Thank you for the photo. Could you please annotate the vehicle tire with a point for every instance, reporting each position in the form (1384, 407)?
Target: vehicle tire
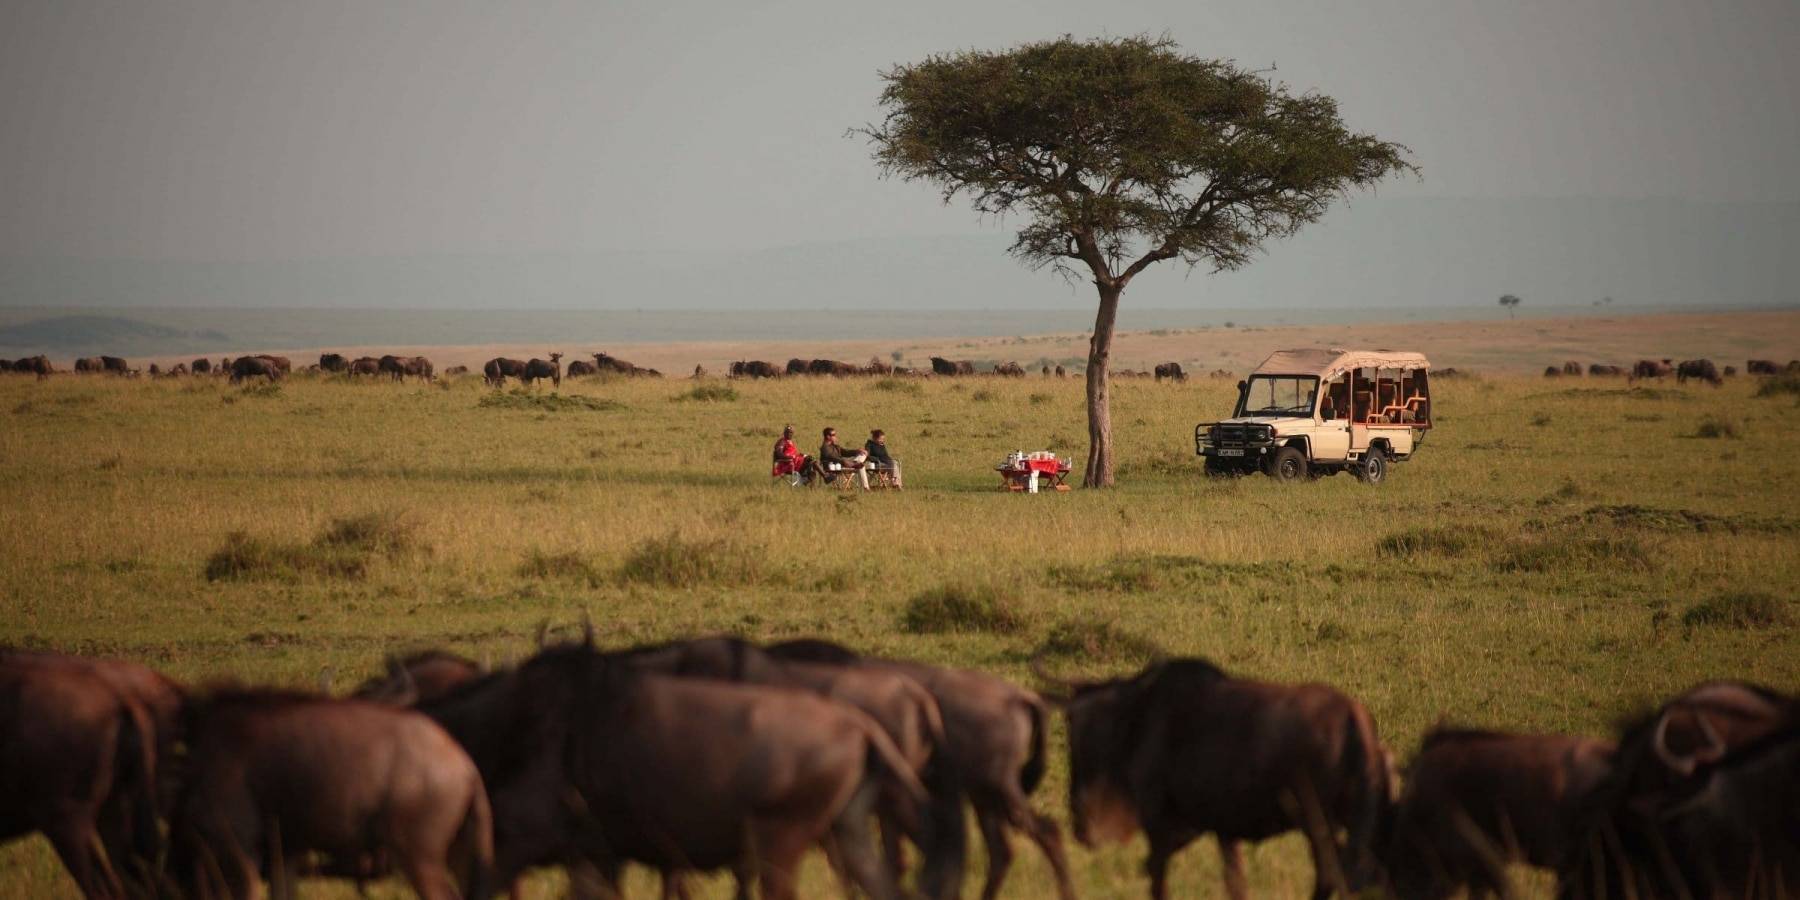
(1373, 468)
(1288, 464)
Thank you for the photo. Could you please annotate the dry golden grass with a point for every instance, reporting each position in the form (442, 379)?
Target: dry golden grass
(1516, 575)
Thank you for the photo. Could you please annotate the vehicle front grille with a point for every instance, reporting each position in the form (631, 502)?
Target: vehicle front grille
(1239, 434)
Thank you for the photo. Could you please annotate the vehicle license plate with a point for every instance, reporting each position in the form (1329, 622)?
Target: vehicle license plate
(1225, 452)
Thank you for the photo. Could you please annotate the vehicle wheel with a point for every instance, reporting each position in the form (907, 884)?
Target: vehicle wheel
(1288, 464)
(1373, 469)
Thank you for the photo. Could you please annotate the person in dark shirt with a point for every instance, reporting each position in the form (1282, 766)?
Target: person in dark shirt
(830, 454)
(877, 450)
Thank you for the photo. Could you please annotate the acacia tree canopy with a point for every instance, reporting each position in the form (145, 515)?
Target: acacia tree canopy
(1120, 153)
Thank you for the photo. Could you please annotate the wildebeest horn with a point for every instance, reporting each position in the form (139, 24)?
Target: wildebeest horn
(1684, 765)
(1715, 745)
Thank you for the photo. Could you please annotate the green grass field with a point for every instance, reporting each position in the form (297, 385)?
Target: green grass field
(1560, 552)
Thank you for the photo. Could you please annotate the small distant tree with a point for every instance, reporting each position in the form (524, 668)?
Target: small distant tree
(1509, 302)
(1121, 153)
(896, 356)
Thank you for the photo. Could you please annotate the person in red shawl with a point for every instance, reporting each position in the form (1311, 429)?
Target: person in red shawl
(789, 459)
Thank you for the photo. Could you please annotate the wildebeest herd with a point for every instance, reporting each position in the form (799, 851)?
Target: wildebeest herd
(1697, 369)
(716, 754)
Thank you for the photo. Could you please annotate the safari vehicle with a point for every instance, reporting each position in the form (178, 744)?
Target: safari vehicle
(1307, 413)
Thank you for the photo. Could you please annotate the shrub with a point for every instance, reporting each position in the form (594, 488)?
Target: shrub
(377, 532)
(954, 609)
(1439, 540)
(1711, 427)
(1740, 610)
(710, 393)
(673, 561)
(1098, 641)
(567, 565)
(343, 549)
(1551, 552)
(900, 386)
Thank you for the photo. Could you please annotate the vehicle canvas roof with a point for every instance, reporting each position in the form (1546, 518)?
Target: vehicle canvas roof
(1323, 363)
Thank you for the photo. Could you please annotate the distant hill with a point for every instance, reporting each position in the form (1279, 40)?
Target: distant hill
(88, 334)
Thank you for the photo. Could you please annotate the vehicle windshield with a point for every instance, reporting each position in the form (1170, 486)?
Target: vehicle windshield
(1279, 395)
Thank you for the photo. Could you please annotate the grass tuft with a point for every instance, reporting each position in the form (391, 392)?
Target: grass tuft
(674, 561)
(1775, 386)
(1713, 427)
(960, 609)
(1435, 540)
(377, 532)
(709, 393)
(522, 398)
(900, 386)
(565, 566)
(1744, 610)
(343, 549)
(1558, 552)
(1100, 640)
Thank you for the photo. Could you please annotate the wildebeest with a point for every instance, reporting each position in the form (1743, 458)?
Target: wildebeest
(1651, 368)
(619, 366)
(457, 370)
(995, 734)
(1552, 372)
(155, 370)
(333, 362)
(797, 366)
(1571, 368)
(89, 365)
(177, 369)
(1761, 367)
(253, 367)
(400, 367)
(1060, 373)
(365, 365)
(942, 366)
(1045, 372)
(877, 367)
(201, 366)
(1181, 749)
(1600, 369)
(1703, 369)
(1690, 806)
(537, 370)
(1730, 371)
(420, 677)
(592, 763)
(1010, 370)
(498, 369)
(76, 765)
(280, 362)
(754, 368)
(1170, 370)
(581, 368)
(830, 367)
(272, 775)
(1477, 800)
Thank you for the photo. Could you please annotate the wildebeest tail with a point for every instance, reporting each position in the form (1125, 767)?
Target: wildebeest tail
(889, 765)
(1032, 773)
(1364, 767)
(474, 847)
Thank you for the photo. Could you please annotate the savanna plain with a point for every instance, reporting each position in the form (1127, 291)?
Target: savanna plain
(1561, 552)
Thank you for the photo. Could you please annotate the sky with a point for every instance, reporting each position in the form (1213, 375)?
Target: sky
(239, 132)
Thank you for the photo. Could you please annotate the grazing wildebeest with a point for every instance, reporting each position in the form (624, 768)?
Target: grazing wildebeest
(1478, 800)
(619, 366)
(581, 368)
(201, 366)
(1729, 371)
(1170, 370)
(457, 370)
(1651, 368)
(537, 370)
(333, 362)
(797, 366)
(877, 367)
(1702, 369)
(1761, 367)
(1010, 370)
(1571, 368)
(942, 366)
(76, 761)
(1552, 372)
(393, 367)
(281, 362)
(177, 369)
(995, 734)
(89, 365)
(1045, 372)
(253, 367)
(498, 369)
(1060, 373)
(6, 364)
(754, 368)
(272, 776)
(420, 677)
(1181, 749)
(155, 370)
(365, 365)
(830, 367)
(904, 710)
(1599, 369)
(593, 764)
(1688, 807)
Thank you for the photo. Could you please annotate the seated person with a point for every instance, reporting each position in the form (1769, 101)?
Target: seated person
(1327, 409)
(789, 459)
(877, 452)
(830, 454)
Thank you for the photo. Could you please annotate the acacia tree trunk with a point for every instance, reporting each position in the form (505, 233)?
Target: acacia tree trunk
(1099, 403)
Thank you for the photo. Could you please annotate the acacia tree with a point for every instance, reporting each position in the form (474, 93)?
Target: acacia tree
(1509, 302)
(1121, 153)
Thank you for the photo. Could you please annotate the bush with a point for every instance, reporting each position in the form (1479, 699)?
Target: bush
(900, 386)
(343, 549)
(710, 393)
(1437, 540)
(568, 565)
(1716, 428)
(955, 609)
(673, 561)
(1740, 610)
(377, 532)
(1098, 641)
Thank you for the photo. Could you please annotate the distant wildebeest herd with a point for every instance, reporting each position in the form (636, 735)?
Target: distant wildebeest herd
(719, 754)
(1698, 369)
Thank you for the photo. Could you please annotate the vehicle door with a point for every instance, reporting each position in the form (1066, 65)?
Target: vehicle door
(1331, 432)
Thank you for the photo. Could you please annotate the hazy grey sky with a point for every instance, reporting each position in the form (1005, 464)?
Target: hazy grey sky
(263, 129)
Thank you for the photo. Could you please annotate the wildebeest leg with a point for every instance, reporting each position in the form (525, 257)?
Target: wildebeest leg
(1043, 832)
(674, 887)
(1231, 857)
(430, 878)
(778, 862)
(999, 850)
(856, 845)
(77, 843)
